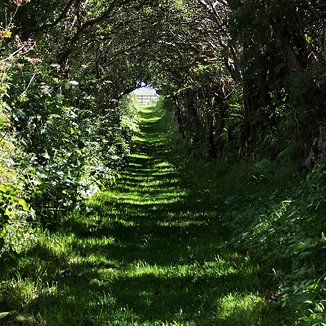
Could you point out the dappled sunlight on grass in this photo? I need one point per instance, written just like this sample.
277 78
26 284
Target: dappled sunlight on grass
143 253
239 309
216 268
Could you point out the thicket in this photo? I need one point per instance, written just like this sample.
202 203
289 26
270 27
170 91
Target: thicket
61 141
252 85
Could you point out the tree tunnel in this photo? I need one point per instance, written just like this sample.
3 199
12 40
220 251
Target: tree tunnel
236 90
243 84
226 75
231 90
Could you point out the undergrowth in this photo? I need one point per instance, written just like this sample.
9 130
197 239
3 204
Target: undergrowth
277 217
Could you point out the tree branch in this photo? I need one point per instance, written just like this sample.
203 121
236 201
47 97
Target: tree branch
56 22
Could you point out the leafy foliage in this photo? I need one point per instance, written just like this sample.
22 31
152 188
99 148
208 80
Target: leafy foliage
66 140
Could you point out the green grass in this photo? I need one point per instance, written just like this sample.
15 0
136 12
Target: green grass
152 251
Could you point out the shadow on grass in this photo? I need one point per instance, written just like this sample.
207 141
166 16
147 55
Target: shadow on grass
147 253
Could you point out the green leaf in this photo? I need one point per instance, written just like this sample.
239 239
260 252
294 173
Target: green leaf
23 203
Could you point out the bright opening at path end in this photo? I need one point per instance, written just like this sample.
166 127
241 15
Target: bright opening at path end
146 95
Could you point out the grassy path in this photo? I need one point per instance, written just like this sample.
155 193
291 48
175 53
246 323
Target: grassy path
146 253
